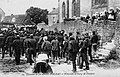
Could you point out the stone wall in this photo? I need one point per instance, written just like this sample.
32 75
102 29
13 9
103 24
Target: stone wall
117 41
105 30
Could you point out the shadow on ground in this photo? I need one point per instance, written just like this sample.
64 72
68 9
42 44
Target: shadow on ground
8 65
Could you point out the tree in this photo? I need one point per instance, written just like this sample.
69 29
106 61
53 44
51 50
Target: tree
37 15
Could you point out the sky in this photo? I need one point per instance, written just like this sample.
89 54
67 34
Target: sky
20 6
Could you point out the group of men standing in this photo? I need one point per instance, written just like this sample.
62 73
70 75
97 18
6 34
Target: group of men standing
81 49
55 45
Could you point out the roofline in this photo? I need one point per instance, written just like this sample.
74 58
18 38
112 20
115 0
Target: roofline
15 14
2 10
6 23
53 14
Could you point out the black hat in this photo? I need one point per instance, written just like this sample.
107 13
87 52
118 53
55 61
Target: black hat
72 38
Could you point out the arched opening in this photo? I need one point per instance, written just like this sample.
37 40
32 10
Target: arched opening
78 8
63 10
74 8
67 8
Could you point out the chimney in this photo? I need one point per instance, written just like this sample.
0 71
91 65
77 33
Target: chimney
53 8
12 15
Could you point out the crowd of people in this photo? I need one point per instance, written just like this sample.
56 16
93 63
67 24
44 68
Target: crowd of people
55 44
112 15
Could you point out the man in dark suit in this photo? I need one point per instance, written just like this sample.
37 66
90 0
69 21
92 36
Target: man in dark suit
73 49
83 52
2 45
17 46
94 41
9 42
32 44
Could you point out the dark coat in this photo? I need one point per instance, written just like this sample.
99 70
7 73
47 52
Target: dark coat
46 47
61 39
55 45
17 46
26 41
66 46
32 43
50 37
73 49
74 46
94 39
2 41
84 46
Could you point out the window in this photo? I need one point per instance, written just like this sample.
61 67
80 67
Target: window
73 8
63 10
67 8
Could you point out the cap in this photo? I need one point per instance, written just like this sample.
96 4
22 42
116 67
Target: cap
41 57
45 38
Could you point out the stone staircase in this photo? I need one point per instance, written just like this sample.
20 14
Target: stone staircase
104 51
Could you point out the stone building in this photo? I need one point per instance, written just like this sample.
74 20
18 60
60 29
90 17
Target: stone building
53 17
16 19
102 5
77 8
73 8
68 9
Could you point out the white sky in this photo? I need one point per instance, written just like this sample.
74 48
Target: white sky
20 6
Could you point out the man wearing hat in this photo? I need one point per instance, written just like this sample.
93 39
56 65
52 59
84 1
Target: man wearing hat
83 52
8 42
2 44
111 15
17 47
46 46
73 49
32 44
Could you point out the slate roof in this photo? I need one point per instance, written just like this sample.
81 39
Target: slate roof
54 12
7 19
19 19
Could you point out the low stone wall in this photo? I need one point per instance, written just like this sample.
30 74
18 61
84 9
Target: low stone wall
106 29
